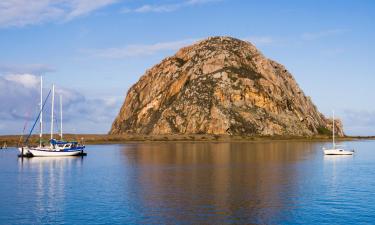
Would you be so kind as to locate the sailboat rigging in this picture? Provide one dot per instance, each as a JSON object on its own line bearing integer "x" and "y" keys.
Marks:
{"x": 56, "y": 147}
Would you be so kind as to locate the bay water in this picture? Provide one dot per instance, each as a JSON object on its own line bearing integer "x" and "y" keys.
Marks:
{"x": 278, "y": 182}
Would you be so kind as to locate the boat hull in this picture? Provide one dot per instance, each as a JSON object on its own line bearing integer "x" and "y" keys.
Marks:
{"x": 44, "y": 153}
{"x": 337, "y": 152}
{"x": 24, "y": 152}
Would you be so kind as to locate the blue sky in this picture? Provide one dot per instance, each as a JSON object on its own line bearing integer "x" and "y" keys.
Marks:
{"x": 94, "y": 50}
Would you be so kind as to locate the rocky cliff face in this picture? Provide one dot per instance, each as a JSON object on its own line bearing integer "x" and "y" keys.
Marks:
{"x": 220, "y": 85}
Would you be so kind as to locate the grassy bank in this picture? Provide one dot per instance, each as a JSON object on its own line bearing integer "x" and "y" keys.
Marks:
{"x": 13, "y": 140}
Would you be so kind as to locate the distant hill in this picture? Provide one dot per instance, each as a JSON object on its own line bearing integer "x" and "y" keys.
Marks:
{"x": 220, "y": 85}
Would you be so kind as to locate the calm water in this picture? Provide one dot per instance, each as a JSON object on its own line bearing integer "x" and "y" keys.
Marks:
{"x": 191, "y": 183}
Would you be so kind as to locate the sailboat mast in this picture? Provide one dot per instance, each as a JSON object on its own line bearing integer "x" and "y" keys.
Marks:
{"x": 41, "y": 111}
{"x": 61, "y": 126}
{"x": 333, "y": 130}
{"x": 53, "y": 102}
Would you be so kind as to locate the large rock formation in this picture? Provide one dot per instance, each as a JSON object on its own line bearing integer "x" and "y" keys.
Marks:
{"x": 220, "y": 85}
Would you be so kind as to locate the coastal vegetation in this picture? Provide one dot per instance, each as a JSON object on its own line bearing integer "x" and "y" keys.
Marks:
{"x": 90, "y": 139}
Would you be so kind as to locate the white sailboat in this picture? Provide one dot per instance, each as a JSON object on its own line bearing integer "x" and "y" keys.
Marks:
{"x": 336, "y": 150}
{"x": 56, "y": 147}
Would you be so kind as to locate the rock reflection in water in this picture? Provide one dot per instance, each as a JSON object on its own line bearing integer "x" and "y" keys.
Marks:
{"x": 223, "y": 182}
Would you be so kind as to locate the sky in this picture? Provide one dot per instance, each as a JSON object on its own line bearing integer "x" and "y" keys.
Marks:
{"x": 94, "y": 50}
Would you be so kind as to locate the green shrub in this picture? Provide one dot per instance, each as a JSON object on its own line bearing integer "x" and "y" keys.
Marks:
{"x": 324, "y": 131}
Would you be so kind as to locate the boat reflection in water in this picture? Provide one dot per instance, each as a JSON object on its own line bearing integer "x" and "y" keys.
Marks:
{"x": 49, "y": 164}
{"x": 217, "y": 183}
{"x": 51, "y": 177}
{"x": 333, "y": 158}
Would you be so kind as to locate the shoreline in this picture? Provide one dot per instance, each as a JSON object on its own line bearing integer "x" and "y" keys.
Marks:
{"x": 94, "y": 139}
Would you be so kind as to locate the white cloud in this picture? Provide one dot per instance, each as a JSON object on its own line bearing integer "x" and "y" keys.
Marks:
{"x": 26, "y": 80}
{"x": 26, "y": 12}
{"x": 333, "y": 51}
{"x": 139, "y": 50}
{"x": 144, "y": 50}
{"x": 359, "y": 122}
{"x": 157, "y": 8}
{"x": 16, "y": 94}
{"x": 84, "y": 7}
{"x": 167, "y": 7}
{"x": 23, "y": 12}
{"x": 25, "y": 68}
{"x": 19, "y": 97}
{"x": 305, "y": 37}
{"x": 322, "y": 34}
{"x": 260, "y": 40}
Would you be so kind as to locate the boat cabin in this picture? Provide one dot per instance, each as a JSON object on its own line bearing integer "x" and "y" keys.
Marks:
{"x": 61, "y": 145}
